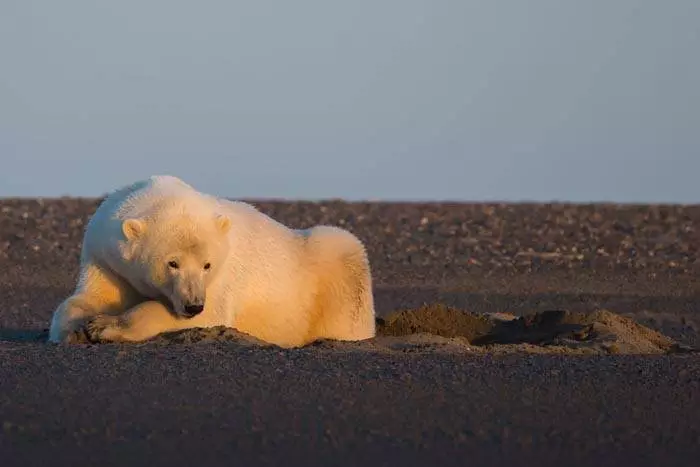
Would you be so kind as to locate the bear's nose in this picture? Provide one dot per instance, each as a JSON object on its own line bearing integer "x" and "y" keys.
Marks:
{"x": 193, "y": 310}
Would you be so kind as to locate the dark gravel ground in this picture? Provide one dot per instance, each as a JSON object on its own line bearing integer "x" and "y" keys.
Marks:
{"x": 220, "y": 403}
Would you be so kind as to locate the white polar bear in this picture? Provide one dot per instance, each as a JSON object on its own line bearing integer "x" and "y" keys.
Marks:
{"x": 160, "y": 256}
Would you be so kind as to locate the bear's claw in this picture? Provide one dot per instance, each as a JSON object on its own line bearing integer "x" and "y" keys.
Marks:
{"x": 95, "y": 328}
{"x": 78, "y": 336}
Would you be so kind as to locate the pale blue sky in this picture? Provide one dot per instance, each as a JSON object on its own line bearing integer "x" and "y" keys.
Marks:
{"x": 385, "y": 99}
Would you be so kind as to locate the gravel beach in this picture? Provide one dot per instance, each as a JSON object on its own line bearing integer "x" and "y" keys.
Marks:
{"x": 586, "y": 357}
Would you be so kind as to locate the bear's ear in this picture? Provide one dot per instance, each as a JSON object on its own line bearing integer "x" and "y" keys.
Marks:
{"x": 133, "y": 228}
{"x": 223, "y": 223}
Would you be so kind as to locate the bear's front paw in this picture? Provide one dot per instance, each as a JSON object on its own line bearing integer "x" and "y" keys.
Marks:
{"x": 77, "y": 336}
{"x": 102, "y": 328}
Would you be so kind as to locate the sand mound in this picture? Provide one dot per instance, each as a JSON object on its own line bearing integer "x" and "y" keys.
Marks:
{"x": 555, "y": 331}
{"x": 184, "y": 337}
{"x": 443, "y": 328}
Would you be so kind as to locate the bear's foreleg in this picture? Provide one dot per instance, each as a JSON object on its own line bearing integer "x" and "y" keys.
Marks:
{"x": 98, "y": 293}
{"x": 142, "y": 322}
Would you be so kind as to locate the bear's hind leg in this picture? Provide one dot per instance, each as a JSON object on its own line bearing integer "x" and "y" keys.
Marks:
{"x": 344, "y": 308}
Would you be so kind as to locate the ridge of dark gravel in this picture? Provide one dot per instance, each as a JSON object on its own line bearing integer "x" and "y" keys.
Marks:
{"x": 220, "y": 403}
{"x": 434, "y": 243}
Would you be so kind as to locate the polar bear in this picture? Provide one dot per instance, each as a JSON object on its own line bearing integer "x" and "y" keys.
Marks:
{"x": 159, "y": 256}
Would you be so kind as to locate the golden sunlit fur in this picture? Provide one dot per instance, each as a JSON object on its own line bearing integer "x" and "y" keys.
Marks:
{"x": 156, "y": 249}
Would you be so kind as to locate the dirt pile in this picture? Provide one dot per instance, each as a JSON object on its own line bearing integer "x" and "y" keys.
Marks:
{"x": 552, "y": 331}
{"x": 442, "y": 328}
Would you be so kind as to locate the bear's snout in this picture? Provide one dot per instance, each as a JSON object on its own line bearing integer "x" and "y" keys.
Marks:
{"x": 193, "y": 310}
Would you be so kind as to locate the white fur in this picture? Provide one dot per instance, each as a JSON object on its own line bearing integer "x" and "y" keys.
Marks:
{"x": 287, "y": 287}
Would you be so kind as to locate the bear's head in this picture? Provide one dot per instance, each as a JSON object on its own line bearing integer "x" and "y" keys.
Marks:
{"x": 177, "y": 256}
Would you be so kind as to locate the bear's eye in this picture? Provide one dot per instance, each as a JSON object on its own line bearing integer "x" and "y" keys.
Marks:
{"x": 207, "y": 266}
{"x": 173, "y": 264}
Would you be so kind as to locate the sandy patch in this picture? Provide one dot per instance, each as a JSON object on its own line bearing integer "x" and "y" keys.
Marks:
{"x": 554, "y": 331}
{"x": 440, "y": 328}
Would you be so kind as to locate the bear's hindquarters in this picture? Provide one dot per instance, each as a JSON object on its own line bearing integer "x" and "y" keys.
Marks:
{"x": 344, "y": 305}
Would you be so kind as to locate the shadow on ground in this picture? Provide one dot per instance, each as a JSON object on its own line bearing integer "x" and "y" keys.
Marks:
{"x": 23, "y": 335}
